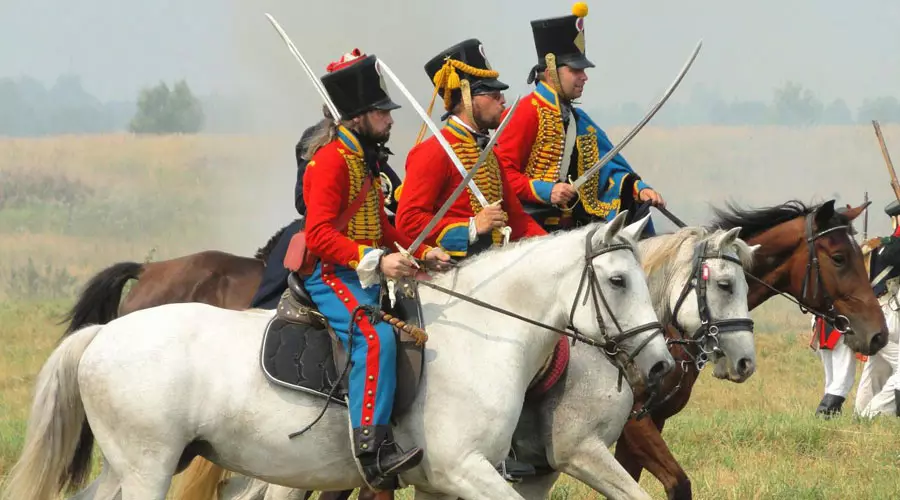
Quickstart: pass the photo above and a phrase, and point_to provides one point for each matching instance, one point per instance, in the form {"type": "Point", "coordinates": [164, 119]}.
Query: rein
{"type": "Point", "coordinates": [840, 322]}
{"type": "Point", "coordinates": [709, 328]}
{"type": "Point", "coordinates": [609, 344]}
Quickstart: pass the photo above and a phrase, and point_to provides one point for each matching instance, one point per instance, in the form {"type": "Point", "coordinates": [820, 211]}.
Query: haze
{"type": "Point", "coordinates": [227, 47]}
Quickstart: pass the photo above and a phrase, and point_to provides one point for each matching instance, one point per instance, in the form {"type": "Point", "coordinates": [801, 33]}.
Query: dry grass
{"type": "Point", "coordinates": [70, 206]}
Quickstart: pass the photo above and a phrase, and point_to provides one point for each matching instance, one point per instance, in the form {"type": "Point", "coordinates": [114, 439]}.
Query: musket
{"type": "Point", "coordinates": [309, 72]}
{"type": "Point", "coordinates": [459, 189]}
{"type": "Point", "coordinates": [614, 151]}
{"type": "Point", "coordinates": [866, 217]}
{"type": "Point", "coordinates": [887, 160]}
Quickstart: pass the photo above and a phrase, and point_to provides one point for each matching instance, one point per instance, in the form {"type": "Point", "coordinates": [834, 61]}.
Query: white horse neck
{"type": "Point", "coordinates": [535, 278]}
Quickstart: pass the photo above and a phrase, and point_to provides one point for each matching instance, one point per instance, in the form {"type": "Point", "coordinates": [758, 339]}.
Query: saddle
{"type": "Point", "coordinates": [301, 351]}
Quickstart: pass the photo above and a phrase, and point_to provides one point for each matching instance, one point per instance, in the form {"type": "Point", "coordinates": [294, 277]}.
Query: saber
{"type": "Point", "coordinates": [614, 151]}
{"type": "Point", "coordinates": [459, 189]}
{"type": "Point", "coordinates": [440, 137]}
{"type": "Point", "coordinates": [309, 72]}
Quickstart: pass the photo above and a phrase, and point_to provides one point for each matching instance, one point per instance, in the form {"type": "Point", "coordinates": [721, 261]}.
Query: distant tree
{"type": "Point", "coordinates": [883, 109]}
{"type": "Point", "coordinates": [164, 111]}
{"type": "Point", "coordinates": [795, 105]}
{"type": "Point", "coordinates": [837, 113]}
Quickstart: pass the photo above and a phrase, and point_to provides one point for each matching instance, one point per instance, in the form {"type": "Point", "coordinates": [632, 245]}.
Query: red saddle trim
{"type": "Point", "coordinates": [558, 364]}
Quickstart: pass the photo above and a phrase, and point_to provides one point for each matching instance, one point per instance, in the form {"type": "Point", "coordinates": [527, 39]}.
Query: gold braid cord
{"type": "Point", "coordinates": [365, 224]}
{"type": "Point", "coordinates": [418, 334]}
{"type": "Point", "coordinates": [449, 80]}
{"type": "Point", "coordinates": [588, 155]}
{"type": "Point", "coordinates": [550, 59]}
{"type": "Point", "coordinates": [547, 149]}
{"type": "Point", "coordinates": [487, 179]}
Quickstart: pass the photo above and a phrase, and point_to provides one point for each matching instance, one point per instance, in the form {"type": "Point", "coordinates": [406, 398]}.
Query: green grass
{"type": "Point", "coordinates": [71, 206]}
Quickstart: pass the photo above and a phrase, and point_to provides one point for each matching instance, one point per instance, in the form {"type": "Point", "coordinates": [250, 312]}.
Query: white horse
{"type": "Point", "coordinates": [573, 426]}
{"type": "Point", "coordinates": [160, 382]}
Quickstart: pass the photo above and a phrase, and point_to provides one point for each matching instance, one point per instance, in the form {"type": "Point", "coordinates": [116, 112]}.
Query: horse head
{"type": "Point", "coordinates": [698, 284]}
{"type": "Point", "coordinates": [612, 303]}
{"type": "Point", "coordinates": [810, 254]}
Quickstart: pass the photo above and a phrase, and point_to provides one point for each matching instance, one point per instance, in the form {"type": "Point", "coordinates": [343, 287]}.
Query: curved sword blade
{"type": "Point", "coordinates": [309, 72]}
{"type": "Point", "coordinates": [434, 130]}
{"type": "Point", "coordinates": [614, 151]}
{"type": "Point", "coordinates": [462, 185]}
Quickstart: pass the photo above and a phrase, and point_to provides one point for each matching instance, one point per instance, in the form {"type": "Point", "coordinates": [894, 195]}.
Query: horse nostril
{"type": "Point", "coordinates": [745, 366]}
{"type": "Point", "coordinates": [879, 340]}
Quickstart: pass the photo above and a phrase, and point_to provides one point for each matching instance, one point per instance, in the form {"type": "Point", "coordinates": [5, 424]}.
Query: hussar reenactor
{"type": "Point", "coordinates": [550, 141]}
{"type": "Point", "coordinates": [474, 103]}
{"type": "Point", "coordinates": [350, 242]}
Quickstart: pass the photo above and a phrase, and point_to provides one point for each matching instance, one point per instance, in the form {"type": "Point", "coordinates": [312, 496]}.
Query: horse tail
{"type": "Point", "coordinates": [58, 442]}
{"type": "Point", "coordinates": [98, 304]}
{"type": "Point", "coordinates": [200, 481]}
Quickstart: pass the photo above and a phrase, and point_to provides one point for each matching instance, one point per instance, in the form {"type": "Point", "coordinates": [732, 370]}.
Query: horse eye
{"type": "Point", "coordinates": [839, 259]}
{"type": "Point", "coordinates": [617, 281]}
{"type": "Point", "coordinates": [724, 285]}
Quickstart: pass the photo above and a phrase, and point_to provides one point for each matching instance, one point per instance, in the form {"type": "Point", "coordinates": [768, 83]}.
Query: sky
{"type": "Point", "coordinates": [228, 47]}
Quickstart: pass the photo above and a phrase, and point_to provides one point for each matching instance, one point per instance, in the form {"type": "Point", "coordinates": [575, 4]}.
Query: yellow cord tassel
{"type": "Point", "coordinates": [449, 80]}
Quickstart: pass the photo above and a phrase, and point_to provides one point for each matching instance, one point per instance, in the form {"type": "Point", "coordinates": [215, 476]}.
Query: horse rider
{"type": "Point", "coordinates": [879, 384]}
{"type": "Point", "coordinates": [350, 240]}
{"type": "Point", "coordinates": [540, 147]}
{"type": "Point", "coordinates": [474, 102]}
{"type": "Point", "coordinates": [274, 279]}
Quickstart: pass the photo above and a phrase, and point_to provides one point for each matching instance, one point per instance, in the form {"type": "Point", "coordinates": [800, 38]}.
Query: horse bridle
{"type": "Point", "coordinates": [709, 328]}
{"type": "Point", "coordinates": [608, 344]}
{"type": "Point", "coordinates": [840, 322]}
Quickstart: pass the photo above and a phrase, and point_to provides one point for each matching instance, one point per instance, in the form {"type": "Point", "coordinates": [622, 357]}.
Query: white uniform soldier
{"type": "Point", "coordinates": [879, 385]}
{"type": "Point", "coordinates": [839, 362]}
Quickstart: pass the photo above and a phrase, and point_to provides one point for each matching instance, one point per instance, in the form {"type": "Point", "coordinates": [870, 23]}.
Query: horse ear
{"type": "Point", "coordinates": [753, 249]}
{"type": "Point", "coordinates": [728, 237]}
{"type": "Point", "coordinates": [824, 214]}
{"type": "Point", "coordinates": [614, 226]}
{"type": "Point", "coordinates": [852, 213]}
{"type": "Point", "coordinates": [635, 229]}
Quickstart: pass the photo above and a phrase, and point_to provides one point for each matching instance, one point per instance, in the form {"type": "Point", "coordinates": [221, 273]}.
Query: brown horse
{"type": "Point", "coordinates": [783, 263]}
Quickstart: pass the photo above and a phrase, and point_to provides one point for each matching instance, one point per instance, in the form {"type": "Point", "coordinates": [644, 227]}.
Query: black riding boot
{"type": "Point", "coordinates": [513, 470]}
{"type": "Point", "coordinates": [829, 406]}
{"type": "Point", "coordinates": [897, 400]}
{"type": "Point", "coordinates": [380, 458]}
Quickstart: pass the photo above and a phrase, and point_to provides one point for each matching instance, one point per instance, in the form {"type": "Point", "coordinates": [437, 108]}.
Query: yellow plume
{"type": "Point", "coordinates": [580, 9]}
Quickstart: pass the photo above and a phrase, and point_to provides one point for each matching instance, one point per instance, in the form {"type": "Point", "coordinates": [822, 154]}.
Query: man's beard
{"type": "Point", "coordinates": [366, 130]}
{"type": "Point", "coordinates": [485, 124]}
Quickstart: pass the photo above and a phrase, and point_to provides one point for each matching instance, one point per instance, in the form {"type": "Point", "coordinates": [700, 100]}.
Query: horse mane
{"type": "Point", "coordinates": [263, 253]}
{"type": "Point", "coordinates": [663, 265]}
{"type": "Point", "coordinates": [754, 221]}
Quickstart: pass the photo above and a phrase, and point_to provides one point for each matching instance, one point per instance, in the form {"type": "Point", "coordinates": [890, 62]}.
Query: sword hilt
{"type": "Point", "coordinates": [404, 252]}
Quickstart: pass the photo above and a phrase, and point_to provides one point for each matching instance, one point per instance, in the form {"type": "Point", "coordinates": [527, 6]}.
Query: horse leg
{"type": "Point", "coordinates": [105, 487]}
{"type": "Point", "coordinates": [473, 479]}
{"type": "Point", "coordinates": [592, 463]}
{"type": "Point", "coordinates": [537, 487]}
{"type": "Point", "coordinates": [641, 446]}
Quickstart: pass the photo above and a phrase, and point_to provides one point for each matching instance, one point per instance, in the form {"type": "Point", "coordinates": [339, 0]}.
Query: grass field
{"type": "Point", "coordinates": [70, 206]}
